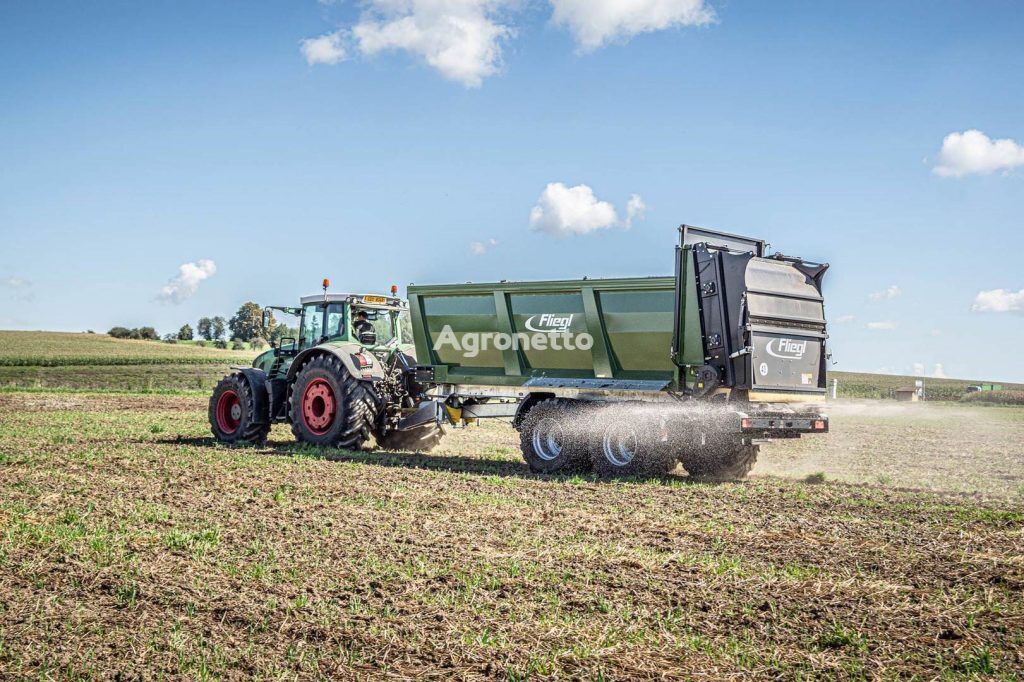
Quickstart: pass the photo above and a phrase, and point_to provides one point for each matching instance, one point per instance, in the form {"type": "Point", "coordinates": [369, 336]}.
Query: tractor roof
{"type": "Point", "coordinates": [367, 300]}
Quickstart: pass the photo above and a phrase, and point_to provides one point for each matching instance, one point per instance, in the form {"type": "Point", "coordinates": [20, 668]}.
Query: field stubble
{"type": "Point", "coordinates": [130, 543]}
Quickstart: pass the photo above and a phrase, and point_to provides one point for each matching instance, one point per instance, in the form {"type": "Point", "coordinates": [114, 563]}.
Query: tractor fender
{"type": "Point", "coordinates": [365, 368]}
{"type": "Point", "coordinates": [257, 379]}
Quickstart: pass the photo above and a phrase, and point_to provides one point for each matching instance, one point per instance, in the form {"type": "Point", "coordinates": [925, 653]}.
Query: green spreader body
{"type": "Point", "coordinates": [730, 321]}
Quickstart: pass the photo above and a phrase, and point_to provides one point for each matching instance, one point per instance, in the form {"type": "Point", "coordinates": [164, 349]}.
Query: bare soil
{"type": "Point", "coordinates": [132, 546]}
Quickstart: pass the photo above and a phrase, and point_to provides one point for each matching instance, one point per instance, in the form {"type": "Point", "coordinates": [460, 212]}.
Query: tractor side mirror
{"type": "Point", "coordinates": [266, 319]}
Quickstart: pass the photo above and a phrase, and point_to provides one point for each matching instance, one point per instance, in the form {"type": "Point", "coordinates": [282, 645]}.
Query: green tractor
{"type": "Point", "coordinates": [350, 375]}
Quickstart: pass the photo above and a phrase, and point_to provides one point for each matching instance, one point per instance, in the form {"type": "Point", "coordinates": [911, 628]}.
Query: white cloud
{"type": "Point", "coordinates": [20, 288]}
{"type": "Point", "coordinates": [999, 301]}
{"type": "Point", "coordinates": [843, 319]}
{"type": "Point", "coordinates": [562, 210]}
{"type": "Point", "coordinates": [884, 325]}
{"type": "Point", "coordinates": [888, 293]}
{"type": "Point", "coordinates": [15, 283]}
{"type": "Point", "coordinates": [921, 370]}
{"type": "Point", "coordinates": [326, 49]}
{"type": "Point", "coordinates": [480, 248]}
{"type": "Point", "coordinates": [185, 284]}
{"type": "Point", "coordinates": [595, 23]}
{"type": "Point", "coordinates": [460, 38]}
{"type": "Point", "coordinates": [936, 332]}
{"type": "Point", "coordinates": [635, 208]}
{"type": "Point", "coordinates": [972, 151]}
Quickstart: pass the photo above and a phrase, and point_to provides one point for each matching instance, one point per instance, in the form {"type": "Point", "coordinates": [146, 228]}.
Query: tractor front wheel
{"type": "Point", "coordinates": [232, 412]}
{"type": "Point", "coordinates": [329, 407]}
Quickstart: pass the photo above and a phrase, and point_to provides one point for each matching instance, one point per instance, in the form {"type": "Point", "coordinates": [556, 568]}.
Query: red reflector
{"type": "Point", "coordinates": [747, 423]}
{"type": "Point", "coordinates": [819, 425]}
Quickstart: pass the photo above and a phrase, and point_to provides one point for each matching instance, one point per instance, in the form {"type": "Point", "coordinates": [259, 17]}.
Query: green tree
{"type": "Point", "coordinates": [120, 332]}
{"type": "Point", "coordinates": [148, 334]}
{"type": "Point", "coordinates": [247, 323]}
{"type": "Point", "coordinates": [281, 331]}
{"type": "Point", "coordinates": [185, 333]}
{"type": "Point", "coordinates": [219, 327]}
{"type": "Point", "coordinates": [205, 328]}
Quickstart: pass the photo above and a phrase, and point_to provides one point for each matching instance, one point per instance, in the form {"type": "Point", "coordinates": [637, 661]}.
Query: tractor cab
{"type": "Point", "coordinates": [353, 322]}
{"type": "Point", "coordinates": [338, 318]}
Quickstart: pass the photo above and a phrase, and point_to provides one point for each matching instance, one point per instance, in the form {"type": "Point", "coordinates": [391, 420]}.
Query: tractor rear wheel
{"type": "Point", "coordinates": [420, 439]}
{"type": "Point", "coordinates": [726, 460]}
{"type": "Point", "coordinates": [232, 412]}
{"type": "Point", "coordinates": [631, 448]}
{"type": "Point", "coordinates": [329, 407]}
{"type": "Point", "coordinates": [549, 440]}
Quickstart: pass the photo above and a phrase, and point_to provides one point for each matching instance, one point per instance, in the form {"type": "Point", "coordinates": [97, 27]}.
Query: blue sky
{"type": "Point", "coordinates": [139, 137]}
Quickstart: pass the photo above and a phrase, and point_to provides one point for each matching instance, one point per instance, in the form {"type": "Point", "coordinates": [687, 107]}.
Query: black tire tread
{"type": "Point", "coordinates": [576, 459]}
{"type": "Point", "coordinates": [726, 462]}
{"type": "Point", "coordinates": [655, 459]}
{"type": "Point", "coordinates": [250, 433]}
{"type": "Point", "coordinates": [359, 404]}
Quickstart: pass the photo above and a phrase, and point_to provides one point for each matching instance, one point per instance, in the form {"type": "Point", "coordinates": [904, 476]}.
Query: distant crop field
{"type": "Point", "coordinates": [200, 377]}
{"type": "Point", "coordinates": [882, 386]}
{"type": "Point", "coordinates": [42, 349]}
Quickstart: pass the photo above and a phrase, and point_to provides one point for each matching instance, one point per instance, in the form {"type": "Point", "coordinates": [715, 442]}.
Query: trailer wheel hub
{"type": "Point", "coordinates": [319, 406]}
{"type": "Point", "coordinates": [619, 445]}
{"type": "Point", "coordinates": [229, 412]}
{"type": "Point", "coordinates": [547, 439]}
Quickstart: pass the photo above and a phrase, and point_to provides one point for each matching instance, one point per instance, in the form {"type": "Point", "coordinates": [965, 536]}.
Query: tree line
{"type": "Point", "coordinates": [245, 326]}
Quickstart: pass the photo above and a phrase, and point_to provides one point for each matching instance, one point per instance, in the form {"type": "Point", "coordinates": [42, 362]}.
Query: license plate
{"type": "Point", "coordinates": [374, 299]}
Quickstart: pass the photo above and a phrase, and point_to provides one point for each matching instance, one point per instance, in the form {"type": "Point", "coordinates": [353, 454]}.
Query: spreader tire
{"type": "Point", "coordinates": [328, 407]}
{"type": "Point", "coordinates": [232, 413]}
{"type": "Point", "coordinates": [727, 461]}
{"type": "Point", "coordinates": [631, 448]}
{"type": "Point", "coordinates": [420, 439]}
{"type": "Point", "coordinates": [549, 440]}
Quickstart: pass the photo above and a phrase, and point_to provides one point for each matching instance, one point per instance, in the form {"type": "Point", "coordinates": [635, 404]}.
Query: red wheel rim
{"type": "Point", "coordinates": [229, 411]}
{"type": "Point", "coordinates": [319, 406]}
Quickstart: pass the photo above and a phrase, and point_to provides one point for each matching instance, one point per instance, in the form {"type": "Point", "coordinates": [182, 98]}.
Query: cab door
{"type": "Point", "coordinates": [311, 328]}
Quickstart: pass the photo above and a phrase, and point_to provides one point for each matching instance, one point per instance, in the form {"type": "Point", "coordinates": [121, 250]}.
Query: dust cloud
{"type": "Point", "coordinates": [975, 450]}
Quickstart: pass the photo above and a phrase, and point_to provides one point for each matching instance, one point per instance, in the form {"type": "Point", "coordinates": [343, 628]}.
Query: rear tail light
{"type": "Point", "coordinates": [819, 425]}
{"type": "Point", "coordinates": [747, 423]}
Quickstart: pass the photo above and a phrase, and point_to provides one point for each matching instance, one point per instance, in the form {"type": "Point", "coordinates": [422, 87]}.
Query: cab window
{"type": "Point", "coordinates": [312, 325]}
{"type": "Point", "coordinates": [404, 327]}
{"type": "Point", "coordinates": [335, 320]}
{"type": "Point", "coordinates": [382, 322]}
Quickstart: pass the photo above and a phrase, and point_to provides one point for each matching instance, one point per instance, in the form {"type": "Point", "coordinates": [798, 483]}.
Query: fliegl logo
{"type": "Point", "coordinates": [787, 349]}
{"type": "Point", "coordinates": [549, 323]}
